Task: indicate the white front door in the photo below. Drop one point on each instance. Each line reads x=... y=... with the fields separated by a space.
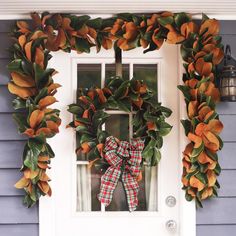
x=74 y=209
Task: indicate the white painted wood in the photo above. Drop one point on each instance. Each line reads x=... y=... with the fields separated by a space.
x=222 y=8
x=58 y=216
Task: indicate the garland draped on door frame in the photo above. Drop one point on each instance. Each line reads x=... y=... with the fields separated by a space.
x=33 y=85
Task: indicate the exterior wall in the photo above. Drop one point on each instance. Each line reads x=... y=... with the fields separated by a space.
x=218 y=217
x=15 y=219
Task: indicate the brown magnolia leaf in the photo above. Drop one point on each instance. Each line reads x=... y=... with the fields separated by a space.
x=138 y=103
x=106 y=43
x=192 y=109
x=36 y=118
x=157 y=41
x=203 y=158
x=39 y=57
x=212 y=91
x=84 y=99
x=85 y=114
x=124 y=44
x=21 y=92
x=28 y=47
x=23 y=26
x=185 y=181
x=199 y=54
x=22 y=80
x=201 y=127
x=191 y=83
x=44 y=130
x=211 y=176
x=36 y=18
x=196 y=139
x=188 y=28
x=43 y=158
x=196 y=183
x=101 y=97
x=22 y=183
x=30 y=174
x=22 y=41
x=191 y=192
x=44 y=177
x=215 y=126
x=30 y=132
x=144 y=43
x=131 y=31
x=53 y=87
x=207 y=193
x=85 y=147
x=52 y=126
x=173 y=37
x=66 y=23
x=211 y=26
x=202 y=67
x=78 y=123
x=46 y=101
x=203 y=112
x=44 y=186
x=218 y=55
x=211 y=141
x=100 y=147
x=91 y=163
x=42 y=165
x=188 y=151
x=151 y=125
x=38 y=34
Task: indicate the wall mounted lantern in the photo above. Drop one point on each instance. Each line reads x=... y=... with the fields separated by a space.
x=228 y=78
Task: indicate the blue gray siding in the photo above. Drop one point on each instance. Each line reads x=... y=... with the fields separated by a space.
x=218 y=217
x=15 y=219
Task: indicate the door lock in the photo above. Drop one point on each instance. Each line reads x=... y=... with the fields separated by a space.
x=171 y=225
x=170 y=201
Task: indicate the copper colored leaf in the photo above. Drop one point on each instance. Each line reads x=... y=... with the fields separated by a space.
x=46 y=101
x=21 y=92
x=28 y=48
x=196 y=183
x=22 y=183
x=215 y=126
x=39 y=57
x=52 y=126
x=44 y=186
x=36 y=118
x=22 y=80
x=211 y=176
x=22 y=40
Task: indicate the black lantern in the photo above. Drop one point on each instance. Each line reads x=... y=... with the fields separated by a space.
x=228 y=78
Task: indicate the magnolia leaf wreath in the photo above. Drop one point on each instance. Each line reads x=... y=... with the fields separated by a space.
x=32 y=83
x=102 y=150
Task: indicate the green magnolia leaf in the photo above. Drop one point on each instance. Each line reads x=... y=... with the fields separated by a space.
x=95 y=23
x=80 y=21
x=185 y=90
x=156 y=156
x=27 y=201
x=124 y=104
x=181 y=18
x=120 y=92
x=75 y=109
x=166 y=111
x=102 y=135
x=164 y=129
x=85 y=138
x=19 y=103
x=166 y=20
x=138 y=119
x=188 y=197
x=15 y=66
x=187 y=126
x=196 y=152
x=186 y=52
x=49 y=150
x=21 y=121
x=82 y=45
x=42 y=93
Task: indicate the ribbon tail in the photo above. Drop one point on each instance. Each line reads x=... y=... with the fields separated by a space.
x=108 y=184
x=131 y=188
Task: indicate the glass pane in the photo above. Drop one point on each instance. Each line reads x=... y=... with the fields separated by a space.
x=147 y=73
x=88 y=186
x=118 y=126
x=89 y=75
x=111 y=71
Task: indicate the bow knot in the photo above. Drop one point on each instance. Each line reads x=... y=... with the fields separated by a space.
x=124 y=159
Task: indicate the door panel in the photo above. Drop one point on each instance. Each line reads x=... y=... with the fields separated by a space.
x=73 y=217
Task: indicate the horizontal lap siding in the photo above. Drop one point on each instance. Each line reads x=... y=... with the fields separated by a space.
x=218 y=217
x=15 y=219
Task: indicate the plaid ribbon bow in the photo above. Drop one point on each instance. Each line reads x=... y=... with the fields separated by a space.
x=124 y=160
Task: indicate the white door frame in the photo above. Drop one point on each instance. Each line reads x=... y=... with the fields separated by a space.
x=47 y=209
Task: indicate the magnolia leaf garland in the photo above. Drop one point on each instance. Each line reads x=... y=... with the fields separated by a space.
x=126 y=95
x=33 y=85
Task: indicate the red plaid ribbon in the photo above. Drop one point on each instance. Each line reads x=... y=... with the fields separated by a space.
x=124 y=159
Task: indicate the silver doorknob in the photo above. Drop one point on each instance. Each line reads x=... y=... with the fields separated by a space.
x=171 y=225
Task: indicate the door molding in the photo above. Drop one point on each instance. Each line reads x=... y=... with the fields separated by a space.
x=221 y=9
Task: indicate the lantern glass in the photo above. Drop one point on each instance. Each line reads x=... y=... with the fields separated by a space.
x=228 y=83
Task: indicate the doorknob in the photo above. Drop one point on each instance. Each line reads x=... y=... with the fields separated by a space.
x=171 y=225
